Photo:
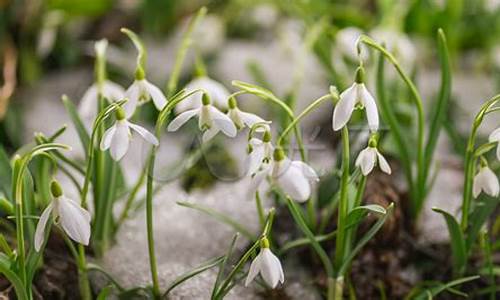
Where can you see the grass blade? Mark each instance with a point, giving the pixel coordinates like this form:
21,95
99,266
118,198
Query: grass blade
457,241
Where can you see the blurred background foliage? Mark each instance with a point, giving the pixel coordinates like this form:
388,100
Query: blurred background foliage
38,37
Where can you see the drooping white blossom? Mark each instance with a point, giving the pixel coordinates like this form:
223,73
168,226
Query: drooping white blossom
486,181
210,120
89,102
268,265
66,212
139,93
294,178
495,137
117,137
260,152
244,119
355,97
215,90
367,159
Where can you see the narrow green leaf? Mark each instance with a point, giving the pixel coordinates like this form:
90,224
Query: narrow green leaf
77,122
457,240
306,241
443,100
220,217
365,239
5,269
433,292
222,266
104,293
356,215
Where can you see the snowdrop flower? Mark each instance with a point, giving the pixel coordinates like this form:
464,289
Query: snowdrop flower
210,120
242,119
69,214
140,92
259,152
367,159
292,177
88,105
268,265
495,137
356,97
216,91
345,41
117,137
486,181
108,89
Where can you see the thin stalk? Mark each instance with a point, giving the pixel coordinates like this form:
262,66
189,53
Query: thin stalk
260,209
357,202
343,201
149,225
108,210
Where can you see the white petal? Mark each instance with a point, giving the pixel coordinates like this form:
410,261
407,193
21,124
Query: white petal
384,165
270,268
209,134
159,99
306,170
144,133
182,119
88,104
74,220
292,181
495,135
113,91
256,181
366,160
370,107
40,227
476,185
343,110
223,122
490,185
254,159
107,137
498,151
251,119
120,141
254,270
132,94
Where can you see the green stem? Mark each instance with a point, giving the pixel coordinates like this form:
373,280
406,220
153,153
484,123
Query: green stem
260,209
351,233
83,280
343,201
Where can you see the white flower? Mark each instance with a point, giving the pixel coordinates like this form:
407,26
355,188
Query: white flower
140,92
117,137
242,119
210,120
88,105
495,137
269,267
356,96
73,219
367,159
292,177
216,91
345,41
486,181
260,152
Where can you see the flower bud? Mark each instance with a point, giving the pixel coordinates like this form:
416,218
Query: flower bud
55,189
205,99
267,137
120,114
231,103
278,154
360,75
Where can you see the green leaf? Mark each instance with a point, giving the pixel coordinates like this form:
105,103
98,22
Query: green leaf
365,239
432,292
359,213
77,122
484,148
220,217
441,107
222,266
200,269
484,208
5,269
306,241
458,250
104,293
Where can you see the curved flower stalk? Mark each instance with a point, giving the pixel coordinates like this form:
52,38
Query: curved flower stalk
73,218
117,137
141,90
495,137
356,97
268,265
485,181
369,157
210,120
244,119
294,178
102,87
215,90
